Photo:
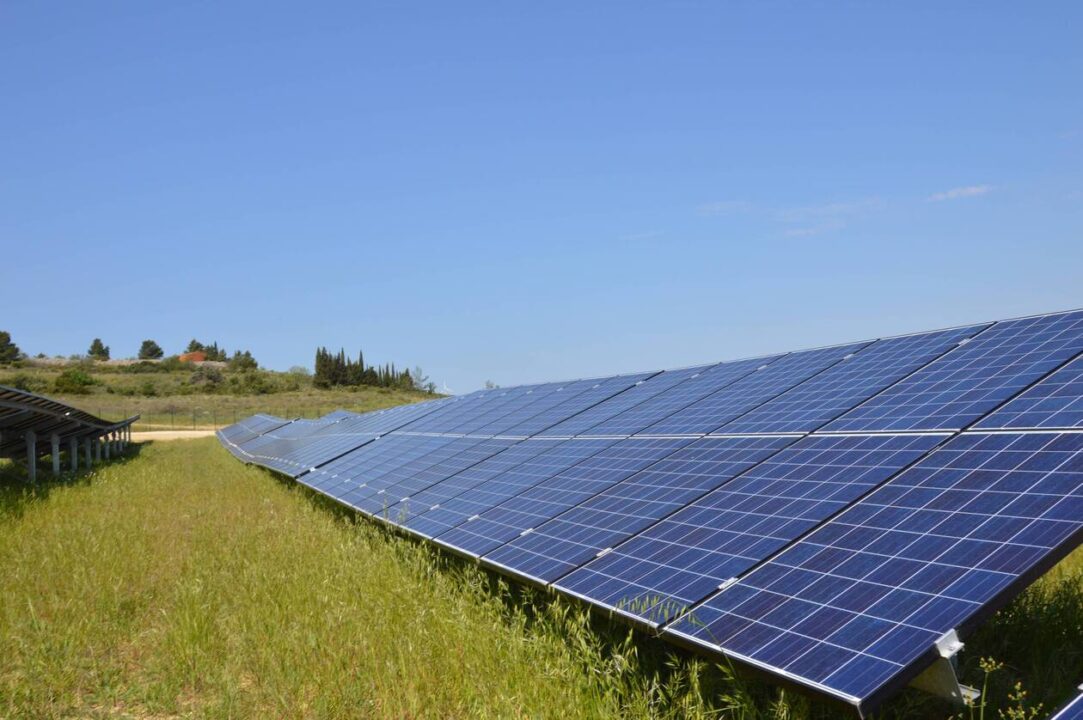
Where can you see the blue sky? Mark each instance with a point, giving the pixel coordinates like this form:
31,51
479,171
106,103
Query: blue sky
532,191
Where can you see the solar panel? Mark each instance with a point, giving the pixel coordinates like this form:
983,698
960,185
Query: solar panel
1054,402
642,391
560,545
432,497
371,461
839,388
462,508
399,483
858,604
973,379
833,517
696,386
598,392
682,559
323,441
251,427
733,400
559,492
1073,710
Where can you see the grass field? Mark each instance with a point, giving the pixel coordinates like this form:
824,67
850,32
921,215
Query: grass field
178,582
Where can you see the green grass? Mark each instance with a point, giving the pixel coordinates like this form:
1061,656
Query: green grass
180,583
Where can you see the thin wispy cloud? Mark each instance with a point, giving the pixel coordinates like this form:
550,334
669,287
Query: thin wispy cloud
724,207
961,192
848,208
799,220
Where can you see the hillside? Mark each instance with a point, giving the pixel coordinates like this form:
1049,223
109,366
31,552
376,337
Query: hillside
177,395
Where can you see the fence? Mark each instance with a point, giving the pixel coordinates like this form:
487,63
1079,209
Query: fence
186,418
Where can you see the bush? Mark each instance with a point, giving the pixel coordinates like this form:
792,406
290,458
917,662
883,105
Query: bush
145,366
206,379
27,383
73,381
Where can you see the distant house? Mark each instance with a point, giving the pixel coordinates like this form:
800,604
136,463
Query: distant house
196,356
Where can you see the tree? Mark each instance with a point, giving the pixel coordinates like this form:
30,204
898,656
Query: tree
195,346
243,361
9,351
98,350
421,382
150,350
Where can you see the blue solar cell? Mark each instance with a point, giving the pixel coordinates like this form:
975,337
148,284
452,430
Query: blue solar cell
599,391
960,387
396,485
860,600
643,390
841,387
698,385
251,427
372,461
465,410
461,508
685,557
1055,402
432,497
579,534
731,401
559,492
1072,710
316,442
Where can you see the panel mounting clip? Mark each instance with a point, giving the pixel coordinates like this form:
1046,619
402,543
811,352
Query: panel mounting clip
940,679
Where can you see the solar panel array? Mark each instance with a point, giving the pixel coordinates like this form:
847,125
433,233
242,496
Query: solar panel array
826,516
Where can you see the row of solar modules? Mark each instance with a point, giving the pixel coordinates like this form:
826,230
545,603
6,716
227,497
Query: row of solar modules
825,515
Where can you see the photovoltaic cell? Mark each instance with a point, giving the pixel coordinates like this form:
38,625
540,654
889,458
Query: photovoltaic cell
1055,402
698,385
370,462
327,440
719,408
960,387
824,397
431,497
559,492
480,498
511,403
643,390
396,485
243,431
598,392
863,598
579,534
685,557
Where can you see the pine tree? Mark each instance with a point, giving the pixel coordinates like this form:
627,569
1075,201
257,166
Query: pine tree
98,350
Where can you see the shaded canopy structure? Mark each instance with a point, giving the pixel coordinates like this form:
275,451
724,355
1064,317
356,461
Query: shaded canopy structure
32,426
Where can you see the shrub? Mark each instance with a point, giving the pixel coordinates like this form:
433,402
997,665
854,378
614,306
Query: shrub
27,383
73,381
206,379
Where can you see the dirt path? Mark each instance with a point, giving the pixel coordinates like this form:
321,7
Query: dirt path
170,435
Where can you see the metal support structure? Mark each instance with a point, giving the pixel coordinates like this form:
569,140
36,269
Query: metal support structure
98,449
88,453
73,454
54,453
32,456
940,679
107,445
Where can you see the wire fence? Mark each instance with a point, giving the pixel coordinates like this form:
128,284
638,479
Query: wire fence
181,418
